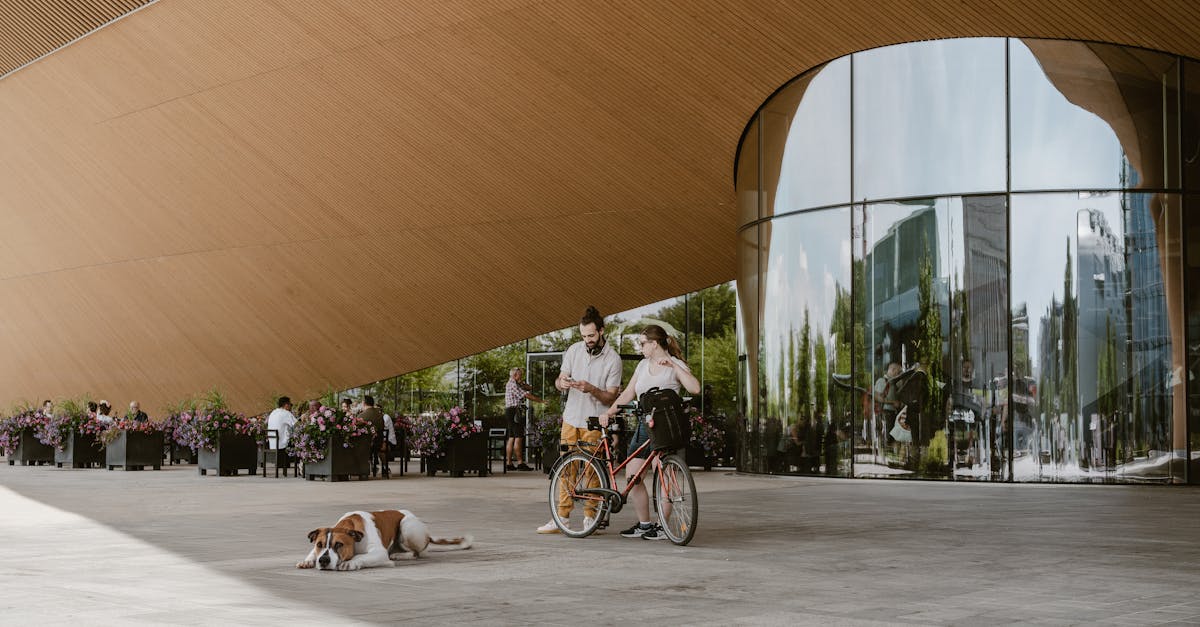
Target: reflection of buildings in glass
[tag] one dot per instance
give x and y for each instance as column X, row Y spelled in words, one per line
column 1052, row 425
column 1101, row 325
column 1150, row 339
column 1102, row 333
column 985, row 281
column 894, row 271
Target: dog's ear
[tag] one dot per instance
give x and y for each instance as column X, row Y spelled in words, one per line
column 357, row 535
column 312, row 535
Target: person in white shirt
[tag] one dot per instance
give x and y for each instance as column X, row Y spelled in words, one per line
column 104, row 412
column 661, row 367
column 591, row 377
column 281, row 420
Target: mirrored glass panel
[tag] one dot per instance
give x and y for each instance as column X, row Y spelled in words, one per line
column 748, row 428
column 929, row 119
column 804, row 332
column 806, row 142
column 1091, row 116
column 1190, row 126
column 936, row 349
column 1095, row 279
column 1191, row 263
column 747, row 175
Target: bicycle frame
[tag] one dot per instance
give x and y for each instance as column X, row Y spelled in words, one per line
column 603, row 447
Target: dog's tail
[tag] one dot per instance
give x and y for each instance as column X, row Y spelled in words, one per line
column 450, row 544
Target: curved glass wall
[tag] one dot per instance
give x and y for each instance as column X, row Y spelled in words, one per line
column 969, row 262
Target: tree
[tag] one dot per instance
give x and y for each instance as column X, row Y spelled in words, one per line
column 929, row 329
column 719, row 308
column 821, row 379
column 804, row 396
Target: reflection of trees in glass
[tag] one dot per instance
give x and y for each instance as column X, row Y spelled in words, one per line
column 1070, row 316
column 840, row 329
column 821, row 380
column 929, row 329
column 804, row 372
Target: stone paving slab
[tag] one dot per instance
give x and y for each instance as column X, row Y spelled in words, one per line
column 171, row 547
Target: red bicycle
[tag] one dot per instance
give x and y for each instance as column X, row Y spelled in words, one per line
column 587, row 477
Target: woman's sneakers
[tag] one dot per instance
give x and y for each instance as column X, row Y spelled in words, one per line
column 639, row 530
column 655, row 534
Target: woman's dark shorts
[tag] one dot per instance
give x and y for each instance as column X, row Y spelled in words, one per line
column 640, row 435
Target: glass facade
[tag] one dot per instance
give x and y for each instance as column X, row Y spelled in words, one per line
column 970, row 263
column 702, row 322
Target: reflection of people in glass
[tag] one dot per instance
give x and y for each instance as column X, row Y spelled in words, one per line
column 884, row 394
column 964, row 408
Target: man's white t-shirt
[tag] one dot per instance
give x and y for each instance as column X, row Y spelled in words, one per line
column 602, row 371
column 282, row 421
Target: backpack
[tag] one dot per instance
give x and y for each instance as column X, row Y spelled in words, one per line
column 672, row 429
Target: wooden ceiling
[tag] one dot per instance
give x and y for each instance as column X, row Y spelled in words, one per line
column 288, row 196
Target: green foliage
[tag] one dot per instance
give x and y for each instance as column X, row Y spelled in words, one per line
column 21, row 406
column 74, row 407
column 719, row 312
column 821, row 379
column 211, row 401
column 929, row 329
column 804, row 386
column 720, row 373
column 936, row 456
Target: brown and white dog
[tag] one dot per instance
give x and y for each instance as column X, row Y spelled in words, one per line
column 366, row 539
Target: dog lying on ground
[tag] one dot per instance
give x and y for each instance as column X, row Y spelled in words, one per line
column 367, row 539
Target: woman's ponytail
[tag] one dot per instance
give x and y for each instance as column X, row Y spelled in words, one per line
column 673, row 348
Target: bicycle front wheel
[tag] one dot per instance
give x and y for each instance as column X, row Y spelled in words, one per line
column 570, row 481
column 674, row 497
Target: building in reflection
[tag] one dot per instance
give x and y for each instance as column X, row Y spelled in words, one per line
column 1013, row 210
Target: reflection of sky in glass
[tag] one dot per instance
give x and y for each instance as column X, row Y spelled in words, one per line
column 929, row 119
column 809, row 255
column 815, row 169
column 1056, row 144
column 1041, row 226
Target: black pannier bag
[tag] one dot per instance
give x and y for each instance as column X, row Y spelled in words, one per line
column 672, row 430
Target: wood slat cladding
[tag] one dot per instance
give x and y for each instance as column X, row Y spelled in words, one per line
column 32, row 28
column 287, row 196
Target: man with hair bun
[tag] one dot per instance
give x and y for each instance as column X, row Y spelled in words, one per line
column 591, row 377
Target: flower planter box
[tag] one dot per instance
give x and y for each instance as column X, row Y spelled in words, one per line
column 550, row 453
column 340, row 462
column 30, row 451
column 79, row 451
column 134, row 450
column 461, row 455
column 180, row 454
column 696, row 457
column 233, row 452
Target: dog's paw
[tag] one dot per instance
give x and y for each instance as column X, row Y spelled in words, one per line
column 306, row 564
column 400, row 556
column 351, row 565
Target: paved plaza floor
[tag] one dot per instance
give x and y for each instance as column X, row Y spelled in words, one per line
column 97, row 547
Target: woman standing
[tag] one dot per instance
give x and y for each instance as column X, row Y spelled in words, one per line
column 662, row 367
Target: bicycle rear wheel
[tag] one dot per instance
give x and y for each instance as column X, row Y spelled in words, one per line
column 674, row 498
column 571, row 476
